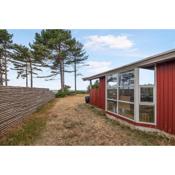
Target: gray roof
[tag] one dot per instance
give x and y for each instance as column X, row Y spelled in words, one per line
column 144, row 63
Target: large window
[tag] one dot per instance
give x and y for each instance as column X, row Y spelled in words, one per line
column 146, row 104
column 123, row 100
column 126, row 86
column 126, row 94
column 120, row 94
column 112, row 82
column 112, row 85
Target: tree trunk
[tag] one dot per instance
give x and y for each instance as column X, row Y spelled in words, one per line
column 26, row 75
column 75, row 75
column 31, row 75
column 5, row 67
column 62, row 74
column 1, row 73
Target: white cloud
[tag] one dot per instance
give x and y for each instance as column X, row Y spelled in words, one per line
column 108, row 41
column 96, row 67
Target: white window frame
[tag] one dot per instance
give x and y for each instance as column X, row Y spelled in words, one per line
column 106, row 94
column 117, row 100
column 148, row 103
column 136, row 97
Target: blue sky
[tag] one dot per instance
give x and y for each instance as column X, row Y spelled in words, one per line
column 107, row 49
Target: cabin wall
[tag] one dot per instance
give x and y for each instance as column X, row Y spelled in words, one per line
column 97, row 95
column 166, row 97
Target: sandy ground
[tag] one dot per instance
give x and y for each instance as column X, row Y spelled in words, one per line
column 72, row 122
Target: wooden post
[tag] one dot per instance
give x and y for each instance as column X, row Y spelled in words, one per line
column 90, row 84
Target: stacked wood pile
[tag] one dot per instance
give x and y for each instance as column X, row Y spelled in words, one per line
column 18, row 102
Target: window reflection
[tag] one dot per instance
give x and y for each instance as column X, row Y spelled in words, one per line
column 112, row 106
column 126, row 79
column 112, row 94
column 126, row 109
column 146, row 113
column 146, row 94
column 112, row 87
column 126, row 94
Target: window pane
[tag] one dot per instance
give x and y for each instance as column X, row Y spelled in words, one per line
column 126, row 79
column 112, row 106
column 112, row 81
column 146, row 113
column 112, row 94
column 112, row 86
column 146, row 94
column 126, row 110
column 126, row 94
column 146, row 76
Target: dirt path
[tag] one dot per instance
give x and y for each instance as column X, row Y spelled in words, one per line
column 72, row 122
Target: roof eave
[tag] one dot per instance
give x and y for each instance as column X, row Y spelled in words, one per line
column 158, row 58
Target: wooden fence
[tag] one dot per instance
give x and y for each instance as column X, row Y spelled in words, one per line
column 18, row 102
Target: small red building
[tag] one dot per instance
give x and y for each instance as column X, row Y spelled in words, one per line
column 141, row 93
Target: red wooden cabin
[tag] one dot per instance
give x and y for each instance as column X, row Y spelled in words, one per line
column 141, row 93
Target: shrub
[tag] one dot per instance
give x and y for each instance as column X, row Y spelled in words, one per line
column 81, row 92
column 95, row 85
column 67, row 92
column 63, row 93
column 60, row 94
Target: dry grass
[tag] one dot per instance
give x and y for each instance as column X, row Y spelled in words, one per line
column 28, row 130
column 69, row 121
column 72, row 122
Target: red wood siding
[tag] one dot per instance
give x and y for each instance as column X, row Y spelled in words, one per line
column 166, row 97
column 97, row 95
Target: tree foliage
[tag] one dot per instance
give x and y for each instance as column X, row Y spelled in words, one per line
column 54, row 49
column 78, row 58
column 25, row 63
column 5, row 54
column 58, row 49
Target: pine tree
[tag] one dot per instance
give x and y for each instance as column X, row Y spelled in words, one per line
column 25, row 63
column 53, row 46
column 5, row 55
column 36, row 64
column 78, row 58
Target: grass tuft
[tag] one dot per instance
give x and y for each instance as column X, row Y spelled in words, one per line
column 30, row 129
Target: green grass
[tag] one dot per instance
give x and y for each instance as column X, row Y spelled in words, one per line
column 61, row 94
column 81, row 92
column 30, row 129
